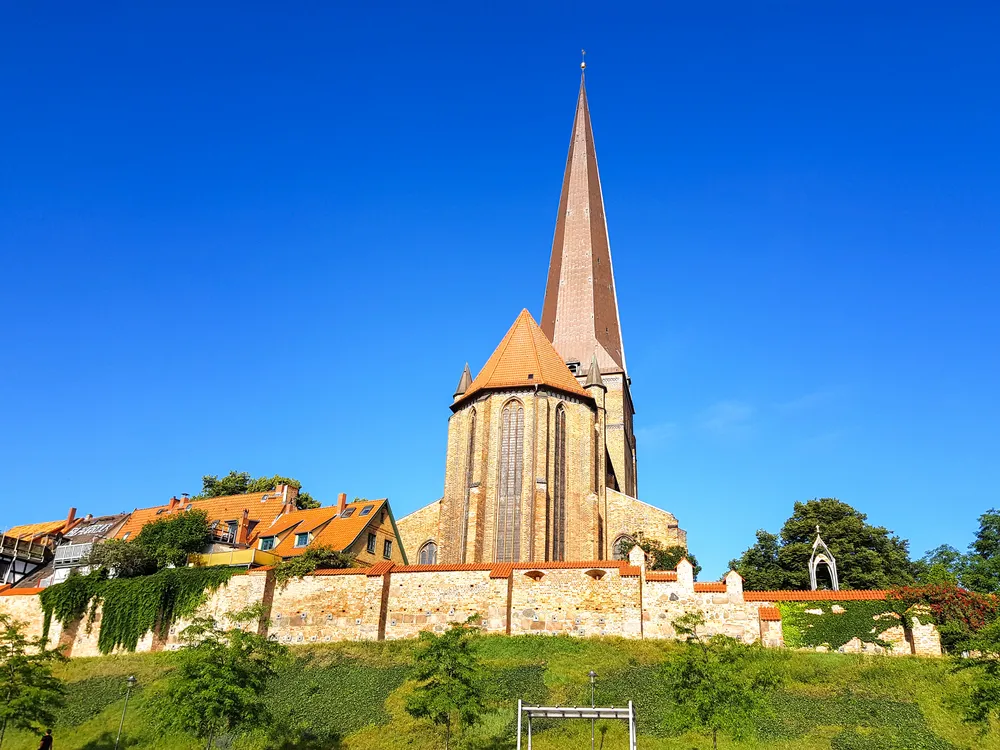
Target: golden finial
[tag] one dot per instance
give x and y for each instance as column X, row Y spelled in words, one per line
column 583, row 59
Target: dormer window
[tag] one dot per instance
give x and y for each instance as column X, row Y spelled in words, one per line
column 302, row 540
column 348, row 513
column 267, row 543
column 574, row 367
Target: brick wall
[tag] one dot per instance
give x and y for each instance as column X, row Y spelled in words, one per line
column 429, row 600
column 419, row 527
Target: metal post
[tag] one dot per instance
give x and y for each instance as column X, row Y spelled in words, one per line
column 129, row 684
column 518, row 724
column 529, row 731
column 631, row 727
column 593, row 676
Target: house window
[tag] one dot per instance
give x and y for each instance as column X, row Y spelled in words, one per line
column 387, row 549
column 371, row 544
column 366, row 510
column 348, row 513
column 508, row 545
column 559, row 490
column 267, row 543
column 301, row 540
column 428, row 554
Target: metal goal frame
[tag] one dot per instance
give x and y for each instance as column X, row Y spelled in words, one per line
column 573, row 712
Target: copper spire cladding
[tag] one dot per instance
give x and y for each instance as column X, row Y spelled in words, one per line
column 580, row 313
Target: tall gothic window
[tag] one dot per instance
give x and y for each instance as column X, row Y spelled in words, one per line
column 428, row 554
column 469, row 466
column 559, row 488
column 508, row 546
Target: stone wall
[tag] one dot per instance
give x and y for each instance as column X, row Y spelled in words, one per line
column 419, row 527
column 627, row 515
column 22, row 605
column 427, row 598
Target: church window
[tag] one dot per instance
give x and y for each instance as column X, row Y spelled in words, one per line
column 469, row 474
column 508, row 546
column 428, row 554
column 559, row 488
column 622, row 546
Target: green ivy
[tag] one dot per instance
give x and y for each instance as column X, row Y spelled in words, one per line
column 861, row 619
column 131, row 607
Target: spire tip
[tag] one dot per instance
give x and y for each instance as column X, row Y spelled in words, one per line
column 583, row 59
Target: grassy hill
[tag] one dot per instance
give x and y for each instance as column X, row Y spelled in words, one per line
column 350, row 696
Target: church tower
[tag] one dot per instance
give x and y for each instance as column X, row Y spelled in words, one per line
column 580, row 312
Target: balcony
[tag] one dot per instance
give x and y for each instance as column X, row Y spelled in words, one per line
column 68, row 555
column 243, row 558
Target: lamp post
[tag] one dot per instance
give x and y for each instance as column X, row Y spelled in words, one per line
column 593, row 676
column 129, row 684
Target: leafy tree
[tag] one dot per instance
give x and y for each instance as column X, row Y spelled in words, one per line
column 984, row 696
column 221, row 680
column 314, row 558
column 869, row 557
column 941, row 566
column 450, row 675
column 241, row 483
column 717, row 682
column 959, row 614
column 31, row 693
column 125, row 559
column 658, row 556
column 169, row 540
column 982, row 564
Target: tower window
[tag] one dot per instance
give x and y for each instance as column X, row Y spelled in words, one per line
column 508, row 544
column 470, row 464
column 559, row 488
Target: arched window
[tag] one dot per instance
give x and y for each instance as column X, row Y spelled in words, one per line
column 622, row 546
column 469, row 467
column 508, row 547
column 559, row 488
column 428, row 554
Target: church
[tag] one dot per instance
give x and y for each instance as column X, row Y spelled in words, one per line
column 541, row 459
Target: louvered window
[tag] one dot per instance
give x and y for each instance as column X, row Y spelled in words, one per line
column 509, row 502
column 559, row 488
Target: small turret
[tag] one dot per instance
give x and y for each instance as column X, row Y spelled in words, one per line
column 594, row 375
column 464, row 382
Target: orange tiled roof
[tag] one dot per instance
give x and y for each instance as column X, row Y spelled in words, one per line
column 769, row 614
column 564, row 564
column 630, row 571
column 21, row 592
column 339, row 572
column 300, row 520
column 35, row 530
column 446, row 568
column 380, row 569
column 813, row 596
column 525, row 357
column 661, row 575
column 338, row 533
column 709, row 588
column 263, row 507
column 502, row 570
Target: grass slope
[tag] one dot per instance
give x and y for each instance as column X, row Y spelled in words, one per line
column 351, row 696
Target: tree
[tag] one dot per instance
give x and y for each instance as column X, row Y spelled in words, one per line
column 658, row 556
column 941, row 566
column 716, row 682
column 450, row 675
column 983, row 702
column 241, row 483
column 314, row 558
column 982, row 565
column 121, row 558
column 221, row 681
column 169, row 540
column 31, row 693
column 869, row 557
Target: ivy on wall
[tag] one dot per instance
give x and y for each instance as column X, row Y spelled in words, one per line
column 130, row 607
column 864, row 620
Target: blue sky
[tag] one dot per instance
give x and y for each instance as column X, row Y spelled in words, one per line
column 267, row 237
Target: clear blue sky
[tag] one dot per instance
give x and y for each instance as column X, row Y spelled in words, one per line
column 267, row 237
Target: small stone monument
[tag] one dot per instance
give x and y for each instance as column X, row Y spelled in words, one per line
column 822, row 554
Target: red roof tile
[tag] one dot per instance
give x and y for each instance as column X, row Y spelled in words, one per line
column 443, row 568
column 502, row 570
column 339, row 572
column 338, row 533
column 35, row 530
column 380, row 569
column 813, row 596
column 21, row 592
column 630, row 571
column 709, row 588
column 769, row 614
column 564, row 564
column 661, row 575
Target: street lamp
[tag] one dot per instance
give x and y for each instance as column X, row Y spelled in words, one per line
column 129, row 684
column 593, row 676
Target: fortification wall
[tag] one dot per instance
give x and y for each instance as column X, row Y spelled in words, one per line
column 23, row 606
column 345, row 606
column 428, row 599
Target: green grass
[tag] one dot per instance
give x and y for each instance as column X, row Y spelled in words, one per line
column 351, row 697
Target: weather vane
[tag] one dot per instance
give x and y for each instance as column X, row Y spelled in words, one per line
column 583, row 59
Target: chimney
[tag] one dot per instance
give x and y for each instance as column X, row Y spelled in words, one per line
column 341, row 502
column 174, row 502
column 243, row 529
column 70, row 517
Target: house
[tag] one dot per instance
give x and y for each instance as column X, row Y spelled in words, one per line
column 25, row 550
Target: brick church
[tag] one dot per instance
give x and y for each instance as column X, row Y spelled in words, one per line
column 541, row 461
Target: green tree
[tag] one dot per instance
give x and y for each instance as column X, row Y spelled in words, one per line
column 123, row 559
column 31, row 693
column 241, row 483
column 450, row 675
column 717, row 682
column 169, row 540
column 982, row 565
column 868, row 557
column 221, row 680
column 314, row 558
column 941, row 566
column 658, row 555
column 983, row 702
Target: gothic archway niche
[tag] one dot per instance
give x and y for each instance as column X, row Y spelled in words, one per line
column 508, row 539
column 622, row 546
column 821, row 555
column 428, row 553
column 559, row 487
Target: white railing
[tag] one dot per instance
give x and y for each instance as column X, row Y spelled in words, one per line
column 67, row 554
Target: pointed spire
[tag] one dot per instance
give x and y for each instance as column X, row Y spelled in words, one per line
column 580, row 313
column 464, row 382
column 594, row 375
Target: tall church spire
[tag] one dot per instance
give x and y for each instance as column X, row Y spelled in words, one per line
column 580, row 313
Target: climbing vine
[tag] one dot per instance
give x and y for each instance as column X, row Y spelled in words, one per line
column 131, row 607
column 864, row 620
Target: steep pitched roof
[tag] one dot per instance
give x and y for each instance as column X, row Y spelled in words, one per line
column 524, row 358
column 35, row 530
column 338, row 533
column 580, row 312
